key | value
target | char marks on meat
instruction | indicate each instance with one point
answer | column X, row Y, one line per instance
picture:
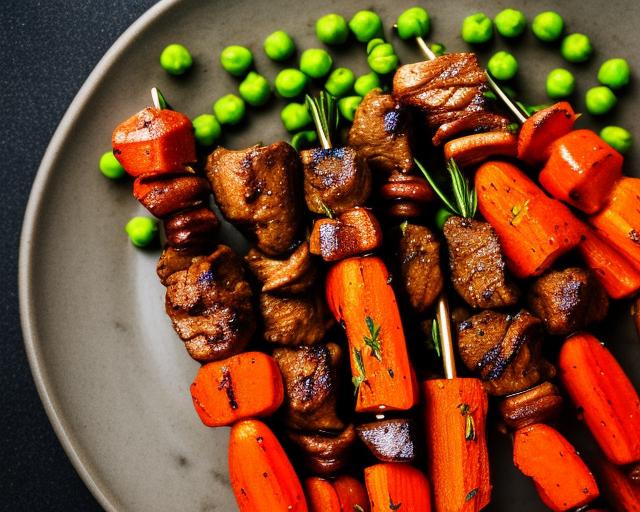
column 172, row 261
column 324, row 453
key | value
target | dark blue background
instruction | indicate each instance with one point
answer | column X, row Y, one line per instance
column 47, row 49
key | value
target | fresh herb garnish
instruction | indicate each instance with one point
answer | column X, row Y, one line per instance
column 518, row 212
column 159, row 100
column 403, row 227
column 327, row 211
column 324, row 112
column 435, row 336
column 465, row 199
column 471, row 494
column 470, row 425
column 357, row 508
column 373, row 340
column 361, row 377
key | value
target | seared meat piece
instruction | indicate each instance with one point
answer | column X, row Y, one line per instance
column 380, row 133
column 337, row 178
column 474, row 122
column 192, row 231
column 540, row 404
column 568, row 300
column 172, row 261
column 504, row 350
column 323, row 453
column 477, row 265
column 210, row 305
column 311, row 386
column 257, row 188
column 292, row 275
column 169, row 193
column 391, row 440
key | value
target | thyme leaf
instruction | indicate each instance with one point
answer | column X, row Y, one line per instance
column 373, row 341
column 357, row 508
column 403, row 227
column 392, row 505
column 465, row 199
column 470, row 424
column 471, row 494
column 361, row 377
column 324, row 112
column 518, row 212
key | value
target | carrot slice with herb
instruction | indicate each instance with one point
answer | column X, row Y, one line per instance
column 473, row 149
column 321, row 495
column 351, row 493
column 396, row 486
column 262, row 478
column 620, row 490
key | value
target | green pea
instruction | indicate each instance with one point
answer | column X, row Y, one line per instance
column 600, row 100
column 110, row 167
column 279, row 46
column 548, row 26
column 206, row 129
column 560, row 83
column 295, row 116
column 366, row 83
column 255, row 89
column 332, row 29
column 340, row 82
column 229, row 109
column 414, row 22
column 376, row 41
column 315, row 62
column 290, row 83
column 617, row 137
column 383, row 59
column 438, row 49
column 614, row 73
column 304, row 140
column 141, row 230
column 236, row 59
column 576, row 48
column 510, row 23
column 503, row 66
column 348, row 106
column 477, row 28
column 365, row 25
column 442, row 215
column 175, row 59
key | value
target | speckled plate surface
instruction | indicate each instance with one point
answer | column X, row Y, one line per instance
column 112, row 374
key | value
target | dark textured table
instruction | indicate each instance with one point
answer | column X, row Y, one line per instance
column 47, row 49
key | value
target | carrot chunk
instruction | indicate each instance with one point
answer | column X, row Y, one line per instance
column 620, row 490
column 351, row 493
column 321, row 495
column 396, row 486
column 473, row 149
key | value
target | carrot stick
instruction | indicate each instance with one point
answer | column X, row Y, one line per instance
column 620, row 490
column 562, row 479
column 321, row 495
column 360, row 297
column 395, row 486
column 262, row 478
column 455, row 417
column 242, row 386
column 534, row 230
column 473, row 149
column 609, row 403
column 351, row 493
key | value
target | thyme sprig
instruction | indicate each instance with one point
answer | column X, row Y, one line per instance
column 324, row 112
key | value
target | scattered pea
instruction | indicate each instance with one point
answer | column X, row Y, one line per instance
column 413, row 22
column 560, row 83
column 477, row 28
column 290, row 83
column 366, row 83
column 438, row 49
column 383, row 59
column 207, row 129
column 376, row 41
column 614, row 73
column 600, row 100
column 548, row 26
column 332, row 29
column 229, row 109
column 315, row 62
column 279, row 46
column 576, row 48
column 175, row 59
column 365, row 25
column 255, row 89
column 340, row 82
column 510, row 23
column 503, row 66
column 141, row 230
column 236, row 59
column 110, row 167
column 617, row 137
column 295, row 116
column 348, row 106
column 304, row 140
column 441, row 217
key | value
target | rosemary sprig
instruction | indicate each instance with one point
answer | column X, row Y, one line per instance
column 373, row 340
column 324, row 112
column 361, row 377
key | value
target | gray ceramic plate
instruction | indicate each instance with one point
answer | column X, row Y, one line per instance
column 112, row 374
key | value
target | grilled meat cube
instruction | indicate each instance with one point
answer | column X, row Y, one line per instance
column 390, row 440
column 257, row 189
column 477, row 264
column 336, row 178
column 192, row 231
column 504, row 350
column 311, row 386
column 473, row 122
column 380, row 133
column 568, row 300
column 172, row 261
column 539, row 404
column 210, row 305
column 323, row 453
column 165, row 194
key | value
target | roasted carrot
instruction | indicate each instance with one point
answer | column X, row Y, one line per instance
column 243, row 386
column 609, row 403
column 542, row 129
column 154, row 141
column 396, row 486
column 262, row 478
column 455, row 417
column 321, row 495
column 534, row 230
column 561, row 477
column 360, row 296
column 351, row 493
column 473, row 149
column 620, row 490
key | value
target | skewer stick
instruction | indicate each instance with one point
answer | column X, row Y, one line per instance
column 446, row 339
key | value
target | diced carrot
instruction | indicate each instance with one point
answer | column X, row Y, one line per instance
column 351, row 493
column 542, row 129
column 561, row 477
column 534, row 230
column 458, row 461
column 321, row 495
column 473, row 149
column 243, row 386
column 620, row 490
column 609, row 403
column 360, row 296
column 396, row 486
column 154, row 141
column 262, row 478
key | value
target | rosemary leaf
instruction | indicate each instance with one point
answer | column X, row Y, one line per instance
column 361, row 377
column 436, row 188
column 324, row 112
column 327, row 211
column 435, row 336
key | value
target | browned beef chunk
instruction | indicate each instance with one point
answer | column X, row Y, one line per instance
column 311, row 386
column 380, row 133
column 210, row 305
column 477, row 265
column 258, row 189
column 568, row 300
column 504, row 350
column 324, row 453
column 172, row 261
column 192, row 231
column 540, row 404
column 390, row 440
column 337, row 178
column 165, row 194
column 474, row 122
